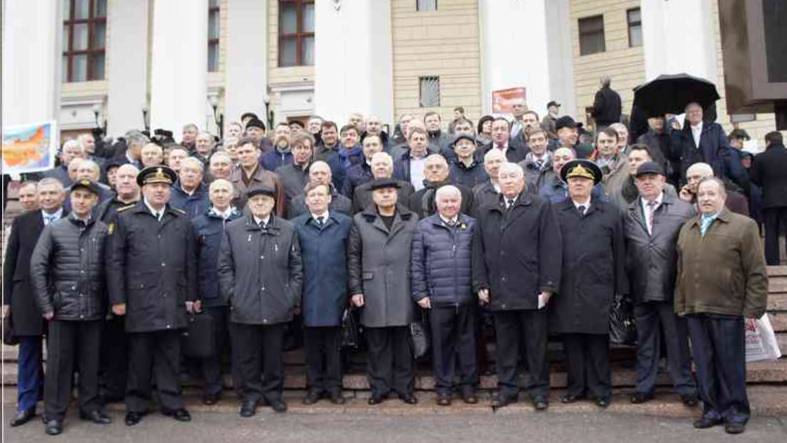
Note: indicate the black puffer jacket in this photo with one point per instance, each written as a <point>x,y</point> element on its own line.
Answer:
<point>67,269</point>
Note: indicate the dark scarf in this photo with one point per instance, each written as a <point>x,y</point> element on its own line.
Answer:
<point>630,191</point>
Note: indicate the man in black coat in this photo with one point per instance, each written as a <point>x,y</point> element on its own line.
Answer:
<point>19,298</point>
<point>606,105</point>
<point>436,175</point>
<point>114,343</point>
<point>151,272</point>
<point>67,269</point>
<point>592,274</point>
<point>260,277</point>
<point>705,141</point>
<point>319,173</point>
<point>517,252</point>
<point>382,166</point>
<point>295,175</point>
<point>502,140</point>
<point>768,172</point>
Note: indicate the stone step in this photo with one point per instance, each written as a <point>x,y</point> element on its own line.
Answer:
<point>757,373</point>
<point>768,401</point>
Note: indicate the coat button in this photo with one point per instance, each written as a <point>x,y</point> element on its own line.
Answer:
<point>262,257</point>
<point>163,264</point>
<point>502,279</point>
<point>168,326</point>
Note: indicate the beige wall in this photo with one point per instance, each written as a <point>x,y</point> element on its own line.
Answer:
<point>443,43</point>
<point>626,66</point>
<point>277,75</point>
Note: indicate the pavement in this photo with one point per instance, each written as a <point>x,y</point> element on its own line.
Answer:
<point>664,419</point>
<point>513,425</point>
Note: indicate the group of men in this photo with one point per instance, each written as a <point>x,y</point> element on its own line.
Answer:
<point>306,226</point>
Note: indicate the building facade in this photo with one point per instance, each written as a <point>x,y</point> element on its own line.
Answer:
<point>164,63</point>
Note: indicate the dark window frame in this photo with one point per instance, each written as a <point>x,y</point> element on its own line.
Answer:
<point>417,7</point>
<point>70,54</point>
<point>634,23</point>
<point>299,36</point>
<point>593,32</point>
<point>214,41</point>
<point>421,80</point>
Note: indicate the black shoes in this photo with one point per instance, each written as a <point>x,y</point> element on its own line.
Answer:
<point>23,417</point>
<point>707,422</point>
<point>571,398</point>
<point>336,397</point>
<point>96,417</point>
<point>469,397</point>
<point>443,400</point>
<point>133,418</point>
<point>53,427</point>
<point>248,408</point>
<point>500,401</point>
<point>375,400</point>
<point>408,398</point>
<point>211,399</point>
<point>689,400</point>
<point>641,397</point>
<point>734,428</point>
<point>603,402</point>
<point>178,414</point>
<point>278,405</point>
<point>540,403</point>
<point>312,397</point>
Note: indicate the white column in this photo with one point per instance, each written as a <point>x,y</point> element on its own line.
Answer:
<point>179,69</point>
<point>127,73</point>
<point>353,59</point>
<point>246,66</point>
<point>32,59</point>
<point>678,37</point>
<point>538,58</point>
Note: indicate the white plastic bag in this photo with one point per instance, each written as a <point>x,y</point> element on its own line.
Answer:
<point>760,340</point>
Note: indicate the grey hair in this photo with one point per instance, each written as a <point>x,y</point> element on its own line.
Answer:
<point>511,167</point>
<point>447,191</point>
<point>192,162</point>
<point>51,181</point>
<point>137,139</point>
<point>605,80</point>
<point>703,167</point>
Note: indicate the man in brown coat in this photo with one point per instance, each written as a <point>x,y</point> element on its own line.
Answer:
<point>249,175</point>
<point>721,280</point>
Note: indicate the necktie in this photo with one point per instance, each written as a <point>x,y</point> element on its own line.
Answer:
<point>651,210</point>
<point>539,164</point>
<point>49,219</point>
<point>320,222</point>
<point>705,223</point>
<point>581,209</point>
<point>509,203</point>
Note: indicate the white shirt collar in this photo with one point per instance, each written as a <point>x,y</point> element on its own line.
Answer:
<point>153,211</point>
<point>224,214</point>
<point>324,215</point>
<point>265,220</point>
<point>657,200</point>
<point>449,221</point>
<point>57,214</point>
<point>586,204</point>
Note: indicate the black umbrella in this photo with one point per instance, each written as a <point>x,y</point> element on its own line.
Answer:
<point>669,94</point>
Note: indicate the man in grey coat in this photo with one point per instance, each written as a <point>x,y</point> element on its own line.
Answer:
<point>260,277</point>
<point>651,226</point>
<point>379,281</point>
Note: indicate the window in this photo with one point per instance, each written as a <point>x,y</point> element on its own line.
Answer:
<point>214,28</point>
<point>84,39</point>
<point>591,35</point>
<point>426,5</point>
<point>634,18</point>
<point>429,96</point>
<point>296,32</point>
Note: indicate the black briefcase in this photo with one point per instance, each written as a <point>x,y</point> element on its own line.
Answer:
<point>198,340</point>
